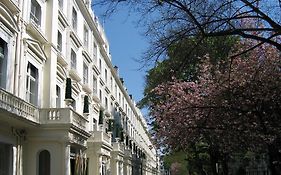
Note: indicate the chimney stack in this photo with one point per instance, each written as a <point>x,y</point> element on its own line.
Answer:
<point>116,70</point>
<point>122,80</point>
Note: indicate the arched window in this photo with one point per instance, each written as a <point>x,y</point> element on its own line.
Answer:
<point>44,163</point>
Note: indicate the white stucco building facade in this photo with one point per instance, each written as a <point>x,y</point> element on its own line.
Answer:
<point>63,107</point>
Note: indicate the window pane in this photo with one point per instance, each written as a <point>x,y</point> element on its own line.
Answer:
<point>74,19</point>
<point>33,89</point>
<point>94,85</point>
<point>61,4</point>
<point>33,72</point>
<point>85,73</point>
<point>59,41</point>
<point>105,75</point>
<point>1,70</point>
<point>58,97</point>
<point>3,63</point>
<point>95,50</point>
<point>5,159</point>
<point>35,12</point>
<point>100,96</point>
<point>44,163</point>
<point>73,59</point>
<point>86,36</point>
<point>32,84</point>
<point>2,45</point>
<point>106,103</point>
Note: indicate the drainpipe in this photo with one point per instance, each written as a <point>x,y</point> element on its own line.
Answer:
<point>18,54</point>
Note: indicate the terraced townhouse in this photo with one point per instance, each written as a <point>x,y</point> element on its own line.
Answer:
<point>64,110</point>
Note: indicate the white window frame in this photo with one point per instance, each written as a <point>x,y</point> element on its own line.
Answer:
<point>3,64</point>
<point>61,3</point>
<point>111,83</point>
<point>58,96</point>
<point>100,66</point>
<point>35,12</point>
<point>85,73</point>
<point>100,96</point>
<point>59,41</point>
<point>95,84</point>
<point>105,75</point>
<point>95,50</point>
<point>29,79</point>
<point>86,36</point>
<point>74,19</point>
<point>73,60</point>
<point>106,103</point>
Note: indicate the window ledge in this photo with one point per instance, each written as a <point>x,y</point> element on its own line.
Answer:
<point>95,98</point>
<point>96,70</point>
<point>86,88</point>
<point>87,56</point>
<point>74,75</point>
<point>107,90</point>
<point>76,39</point>
<point>62,60</point>
<point>36,31</point>
<point>102,82</point>
<point>121,109</point>
<point>112,97</point>
<point>63,19</point>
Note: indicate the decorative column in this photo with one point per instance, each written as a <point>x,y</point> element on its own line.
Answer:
<point>114,165</point>
<point>67,159</point>
<point>20,135</point>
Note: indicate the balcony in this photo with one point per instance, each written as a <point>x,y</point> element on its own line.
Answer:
<point>128,153</point>
<point>19,107</point>
<point>100,136</point>
<point>63,116</point>
<point>118,147</point>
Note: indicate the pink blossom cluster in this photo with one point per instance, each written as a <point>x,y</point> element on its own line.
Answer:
<point>234,103</point>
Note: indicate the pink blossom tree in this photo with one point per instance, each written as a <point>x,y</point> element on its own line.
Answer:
<point>234,105</point>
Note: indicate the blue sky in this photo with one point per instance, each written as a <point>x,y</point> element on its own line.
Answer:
<point>126,45</point>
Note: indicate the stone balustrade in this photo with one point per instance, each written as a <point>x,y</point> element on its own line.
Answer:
<point>101,136</point>
<point>17,106</point>
<point>63,116</point>
<point>118,147</point>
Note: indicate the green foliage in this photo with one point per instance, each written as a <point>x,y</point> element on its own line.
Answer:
<point>176,157</point>
<point>183,60</point>
<point>194,159</point>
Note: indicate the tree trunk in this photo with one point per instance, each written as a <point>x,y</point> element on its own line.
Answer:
<point>225,165</point>
<point>213,161</point>
<point>274,158</point>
